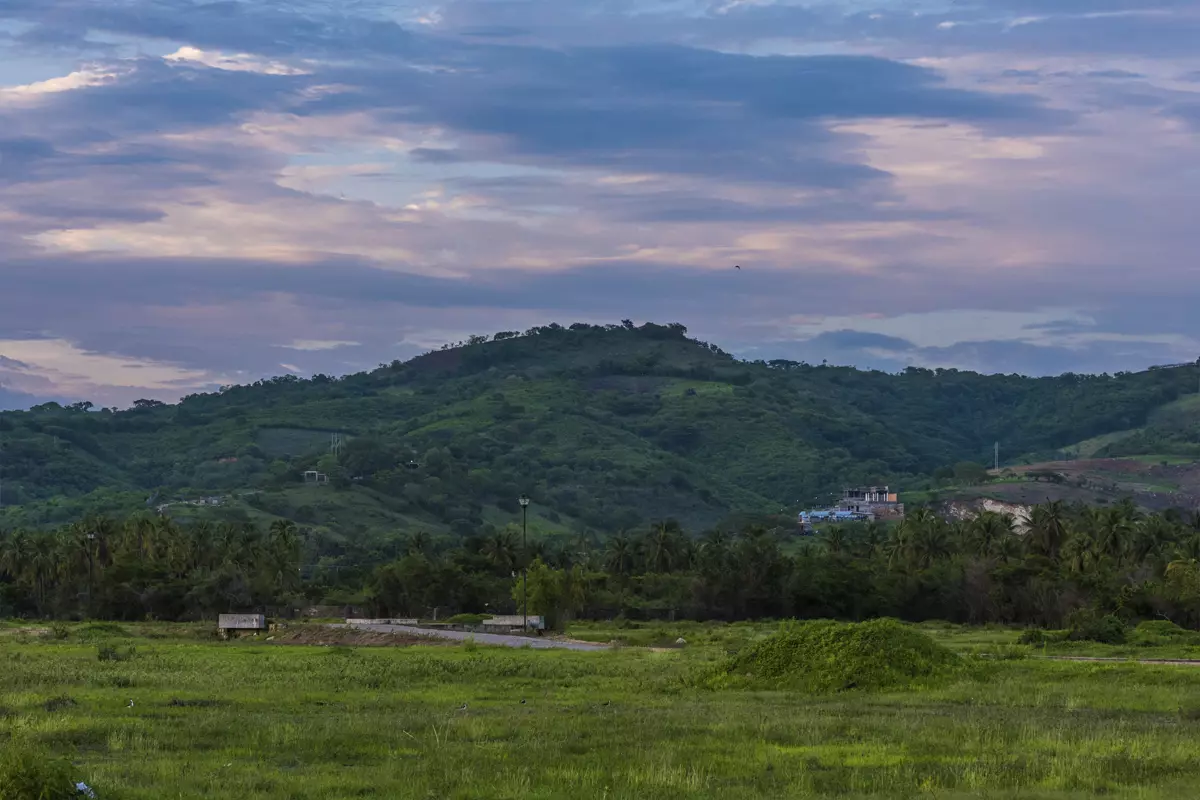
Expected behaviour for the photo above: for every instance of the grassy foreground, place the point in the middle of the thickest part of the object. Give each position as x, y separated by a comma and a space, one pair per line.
262, 720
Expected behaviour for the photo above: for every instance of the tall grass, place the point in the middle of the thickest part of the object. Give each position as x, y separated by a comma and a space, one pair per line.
256, 720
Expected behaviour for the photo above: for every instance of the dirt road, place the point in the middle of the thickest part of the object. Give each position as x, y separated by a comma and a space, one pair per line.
1173, 662
503, 640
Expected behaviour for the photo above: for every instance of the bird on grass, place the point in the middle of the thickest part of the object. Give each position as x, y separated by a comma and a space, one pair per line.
463, 707
130, 704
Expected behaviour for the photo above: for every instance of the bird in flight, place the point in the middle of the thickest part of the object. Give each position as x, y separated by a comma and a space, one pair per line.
735, 266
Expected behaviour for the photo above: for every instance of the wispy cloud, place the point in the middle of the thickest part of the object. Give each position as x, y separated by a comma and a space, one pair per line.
186, 189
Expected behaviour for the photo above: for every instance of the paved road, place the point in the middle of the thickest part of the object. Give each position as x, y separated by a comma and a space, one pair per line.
482, 638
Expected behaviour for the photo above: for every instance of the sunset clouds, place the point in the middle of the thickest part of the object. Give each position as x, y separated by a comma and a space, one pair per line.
194, 194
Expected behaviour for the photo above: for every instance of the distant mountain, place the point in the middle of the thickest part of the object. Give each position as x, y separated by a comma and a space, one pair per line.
605, 427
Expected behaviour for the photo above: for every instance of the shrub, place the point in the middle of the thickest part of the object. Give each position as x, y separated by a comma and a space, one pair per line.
1162, 632
1107, 629
59, 703
467, 619
29, 774
101, 630
1033, 636
826, 656
108, 652
1037, 637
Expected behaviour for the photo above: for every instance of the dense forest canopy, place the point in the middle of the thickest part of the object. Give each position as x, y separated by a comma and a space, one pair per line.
1094, 570
606, 427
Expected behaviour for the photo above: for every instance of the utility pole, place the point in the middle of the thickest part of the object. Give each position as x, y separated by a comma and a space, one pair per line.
524, 501
997, 456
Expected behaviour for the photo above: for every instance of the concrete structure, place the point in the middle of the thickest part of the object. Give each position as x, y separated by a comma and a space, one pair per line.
384, 621
864, 504
878, 502
515, 621
228, 624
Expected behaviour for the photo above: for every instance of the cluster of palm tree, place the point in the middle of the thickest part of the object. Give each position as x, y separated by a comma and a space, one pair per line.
1075, 539
147, 565
991, 567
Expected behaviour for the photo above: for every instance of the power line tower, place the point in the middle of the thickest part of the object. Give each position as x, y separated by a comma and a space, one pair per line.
335, 445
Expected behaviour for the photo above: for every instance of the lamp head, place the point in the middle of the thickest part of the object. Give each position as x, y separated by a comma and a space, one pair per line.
523, 500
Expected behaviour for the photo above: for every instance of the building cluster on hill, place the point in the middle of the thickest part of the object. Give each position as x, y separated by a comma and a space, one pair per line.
863, 504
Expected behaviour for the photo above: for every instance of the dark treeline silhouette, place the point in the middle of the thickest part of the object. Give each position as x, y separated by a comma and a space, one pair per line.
993, 568
147, 567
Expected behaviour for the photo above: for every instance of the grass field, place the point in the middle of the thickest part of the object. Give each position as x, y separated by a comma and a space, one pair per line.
265, 720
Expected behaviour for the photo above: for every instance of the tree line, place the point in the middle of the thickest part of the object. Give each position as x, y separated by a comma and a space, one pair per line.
147, 567
1061, 562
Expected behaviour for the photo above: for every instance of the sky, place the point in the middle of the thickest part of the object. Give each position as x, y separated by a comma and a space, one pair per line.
194, 194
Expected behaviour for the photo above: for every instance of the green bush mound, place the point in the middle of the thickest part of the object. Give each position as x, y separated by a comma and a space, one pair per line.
825, 656
1162, 632
1088, 626
30, 774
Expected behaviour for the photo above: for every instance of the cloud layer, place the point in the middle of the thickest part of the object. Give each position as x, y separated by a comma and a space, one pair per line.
198, 193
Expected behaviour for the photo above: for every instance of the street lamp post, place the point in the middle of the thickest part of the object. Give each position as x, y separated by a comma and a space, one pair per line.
524, 501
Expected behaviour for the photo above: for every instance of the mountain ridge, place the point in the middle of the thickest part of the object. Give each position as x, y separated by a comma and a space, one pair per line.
606, 427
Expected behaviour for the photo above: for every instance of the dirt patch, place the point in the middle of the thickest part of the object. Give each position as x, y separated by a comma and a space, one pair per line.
24, 631
1151, 484
350, 637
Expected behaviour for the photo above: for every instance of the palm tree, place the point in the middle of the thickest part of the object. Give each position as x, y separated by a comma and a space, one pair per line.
284, 540
419, 542
1114, 536
620, 555
15, 554
1048, 529
988, 530
920, 540
835, 540
501, 549
1153, 540
663, 547
43, 566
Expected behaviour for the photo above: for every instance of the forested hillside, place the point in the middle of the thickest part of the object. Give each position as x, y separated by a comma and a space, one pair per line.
605, 427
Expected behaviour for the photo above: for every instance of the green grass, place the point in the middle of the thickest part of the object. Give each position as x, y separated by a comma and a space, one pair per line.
1173, 461
1089, 447
257, 720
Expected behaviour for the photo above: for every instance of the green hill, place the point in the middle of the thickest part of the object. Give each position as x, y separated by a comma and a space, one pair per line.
605, 427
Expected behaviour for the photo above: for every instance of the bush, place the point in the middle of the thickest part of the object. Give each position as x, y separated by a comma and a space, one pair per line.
1162, 632
1107, 629
467, 619
1037, 637
1033, 636
826, 656
101, 630
108, 652
29, 774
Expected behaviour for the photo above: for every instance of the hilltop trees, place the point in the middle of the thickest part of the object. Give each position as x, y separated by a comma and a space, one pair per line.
606, 426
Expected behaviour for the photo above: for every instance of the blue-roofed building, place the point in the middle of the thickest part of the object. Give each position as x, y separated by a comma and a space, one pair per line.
857, 505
